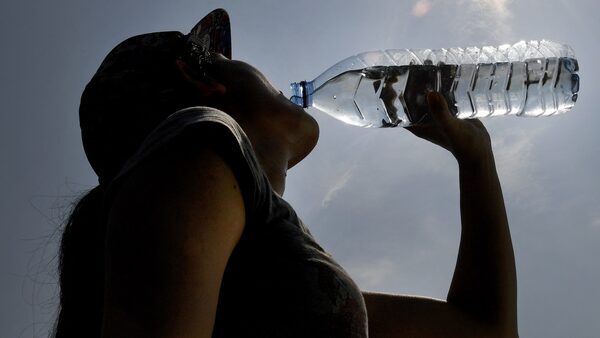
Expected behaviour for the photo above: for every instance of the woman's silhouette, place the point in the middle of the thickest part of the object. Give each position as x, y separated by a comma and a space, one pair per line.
187, 235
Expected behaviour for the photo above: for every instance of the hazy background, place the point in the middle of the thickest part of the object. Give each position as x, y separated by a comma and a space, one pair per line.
383, 202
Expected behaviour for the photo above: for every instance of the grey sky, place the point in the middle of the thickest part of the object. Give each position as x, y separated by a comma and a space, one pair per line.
383, 202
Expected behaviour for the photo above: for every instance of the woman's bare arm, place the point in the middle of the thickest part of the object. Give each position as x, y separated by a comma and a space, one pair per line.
172, 228
482, 300
484, 283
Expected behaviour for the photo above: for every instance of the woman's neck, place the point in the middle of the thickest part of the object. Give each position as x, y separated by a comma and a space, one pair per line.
275, 167
273, 156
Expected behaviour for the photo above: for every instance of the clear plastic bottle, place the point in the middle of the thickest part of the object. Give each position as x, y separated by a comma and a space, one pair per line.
388, 88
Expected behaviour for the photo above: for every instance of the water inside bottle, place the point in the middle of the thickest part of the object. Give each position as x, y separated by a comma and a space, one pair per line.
390, 96
385, 96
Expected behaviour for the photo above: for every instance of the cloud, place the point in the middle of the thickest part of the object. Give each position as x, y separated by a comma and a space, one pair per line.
337, 186
513, 151
421, 8
517, 155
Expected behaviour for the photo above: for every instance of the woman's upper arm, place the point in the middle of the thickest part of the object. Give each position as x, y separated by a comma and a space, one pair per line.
172, 228
393, 316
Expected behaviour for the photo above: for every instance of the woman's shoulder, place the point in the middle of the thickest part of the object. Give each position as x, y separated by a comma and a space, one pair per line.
173, 223
192, 128
195, 124
179, 155
188, 139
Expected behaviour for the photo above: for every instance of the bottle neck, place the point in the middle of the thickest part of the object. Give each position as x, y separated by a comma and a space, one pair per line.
302, 93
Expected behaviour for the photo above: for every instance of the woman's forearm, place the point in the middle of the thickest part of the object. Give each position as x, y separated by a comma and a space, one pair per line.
484, 282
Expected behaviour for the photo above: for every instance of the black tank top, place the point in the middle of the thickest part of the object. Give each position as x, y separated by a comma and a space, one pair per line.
279, 282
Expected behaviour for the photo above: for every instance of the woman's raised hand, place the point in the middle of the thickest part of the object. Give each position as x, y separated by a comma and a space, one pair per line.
467, 139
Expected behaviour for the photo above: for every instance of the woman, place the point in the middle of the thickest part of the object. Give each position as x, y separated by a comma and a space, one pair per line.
187, 233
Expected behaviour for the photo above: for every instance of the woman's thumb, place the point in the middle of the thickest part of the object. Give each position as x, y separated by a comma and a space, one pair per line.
438, 108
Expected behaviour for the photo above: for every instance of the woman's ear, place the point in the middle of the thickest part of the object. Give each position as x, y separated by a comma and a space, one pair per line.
205, 84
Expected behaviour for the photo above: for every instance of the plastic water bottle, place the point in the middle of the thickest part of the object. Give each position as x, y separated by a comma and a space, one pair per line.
388, 88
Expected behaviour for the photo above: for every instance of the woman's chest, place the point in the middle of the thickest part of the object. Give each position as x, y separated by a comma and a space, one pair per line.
280, 283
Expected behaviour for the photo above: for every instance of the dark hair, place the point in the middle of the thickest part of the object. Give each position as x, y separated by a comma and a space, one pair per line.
81, 269
119, 108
